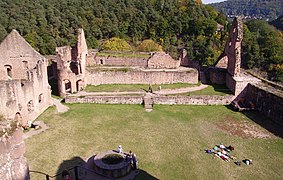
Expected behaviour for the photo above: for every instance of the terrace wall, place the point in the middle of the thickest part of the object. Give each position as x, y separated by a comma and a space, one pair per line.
172, 100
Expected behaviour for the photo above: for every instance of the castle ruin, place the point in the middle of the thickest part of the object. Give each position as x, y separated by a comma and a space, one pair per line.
25, 92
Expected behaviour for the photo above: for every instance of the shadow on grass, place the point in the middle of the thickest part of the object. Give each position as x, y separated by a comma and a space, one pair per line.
221, 88
143, 175
263, 121
69, 165
86, 170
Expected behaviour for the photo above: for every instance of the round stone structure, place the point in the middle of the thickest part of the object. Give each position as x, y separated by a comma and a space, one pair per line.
111, 170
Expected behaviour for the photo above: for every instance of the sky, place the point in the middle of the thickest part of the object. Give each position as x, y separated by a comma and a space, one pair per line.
211, 1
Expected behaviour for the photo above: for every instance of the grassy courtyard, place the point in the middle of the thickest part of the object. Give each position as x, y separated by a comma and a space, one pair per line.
134, 87
168, 141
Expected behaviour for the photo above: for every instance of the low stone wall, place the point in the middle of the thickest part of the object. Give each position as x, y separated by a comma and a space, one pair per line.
97, 77
105, 99
13, 164
194, 100
267, 100
186, 100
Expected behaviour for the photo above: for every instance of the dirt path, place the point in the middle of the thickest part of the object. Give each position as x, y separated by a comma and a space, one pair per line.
59, 106
161, 92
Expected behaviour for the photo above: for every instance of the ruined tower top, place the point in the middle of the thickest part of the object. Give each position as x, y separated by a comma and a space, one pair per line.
231, 57
233, 47
81, 44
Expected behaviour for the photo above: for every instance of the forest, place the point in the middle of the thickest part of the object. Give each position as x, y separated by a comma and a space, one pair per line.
264, 9
172, 24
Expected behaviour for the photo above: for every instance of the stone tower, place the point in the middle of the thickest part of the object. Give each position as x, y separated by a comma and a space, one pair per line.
71, 62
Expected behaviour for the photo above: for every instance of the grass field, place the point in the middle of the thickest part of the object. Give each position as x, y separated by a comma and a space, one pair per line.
215, 89
134, 87
169, 141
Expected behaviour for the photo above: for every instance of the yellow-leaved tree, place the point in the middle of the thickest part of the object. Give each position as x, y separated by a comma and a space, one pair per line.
116, 44
149, 45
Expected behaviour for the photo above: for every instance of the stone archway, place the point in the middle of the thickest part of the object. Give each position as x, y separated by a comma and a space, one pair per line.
80, 85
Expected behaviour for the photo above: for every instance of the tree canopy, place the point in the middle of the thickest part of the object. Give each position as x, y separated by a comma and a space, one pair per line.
265, 9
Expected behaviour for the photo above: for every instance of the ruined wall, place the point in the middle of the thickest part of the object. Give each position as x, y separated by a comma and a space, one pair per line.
17, 56
142, 77
71, 63
233, 47
217, 75
268, 100
189, 100
186, 61
118, 61
161, 60
26, 93
13, 164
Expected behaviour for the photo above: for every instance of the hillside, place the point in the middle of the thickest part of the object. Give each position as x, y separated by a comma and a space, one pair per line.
261, 9
173, 24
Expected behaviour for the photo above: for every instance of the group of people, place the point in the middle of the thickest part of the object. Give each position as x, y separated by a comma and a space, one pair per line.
130, 157
224, 153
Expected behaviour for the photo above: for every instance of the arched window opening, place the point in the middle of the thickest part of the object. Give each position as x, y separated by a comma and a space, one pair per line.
40, 98
9, 71
80, 85
30, 106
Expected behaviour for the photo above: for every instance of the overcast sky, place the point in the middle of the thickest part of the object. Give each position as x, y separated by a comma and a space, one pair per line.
211, 1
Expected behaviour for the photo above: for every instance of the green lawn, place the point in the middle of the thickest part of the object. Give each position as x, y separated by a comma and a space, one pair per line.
220, 90
168, 141
134, 87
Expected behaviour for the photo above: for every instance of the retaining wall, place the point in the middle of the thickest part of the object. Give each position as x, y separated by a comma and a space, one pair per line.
186, 100
268, 100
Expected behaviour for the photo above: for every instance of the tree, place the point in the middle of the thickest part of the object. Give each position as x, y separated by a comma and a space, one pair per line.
116, 44
149, 45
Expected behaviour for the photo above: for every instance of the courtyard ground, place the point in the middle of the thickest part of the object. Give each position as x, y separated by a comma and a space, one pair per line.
169, 141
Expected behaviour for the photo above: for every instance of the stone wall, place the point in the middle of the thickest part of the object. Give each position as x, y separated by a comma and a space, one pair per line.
188, 100
217, 75
161, 60
25, 92
118, 61
146, 76
193, 100
105, 99
71, 63
268, 100
13, 164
